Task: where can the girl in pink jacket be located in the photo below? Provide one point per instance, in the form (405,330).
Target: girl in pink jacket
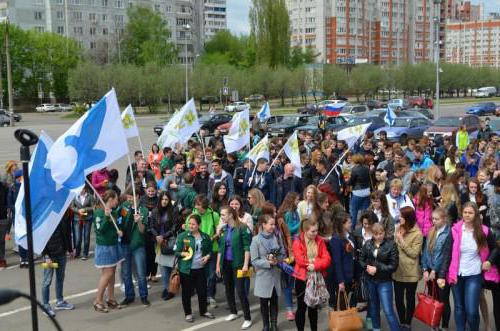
(424,205)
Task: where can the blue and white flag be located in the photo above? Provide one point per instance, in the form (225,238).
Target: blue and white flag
(265,112)
(389,117)
(49,201)
(95,141)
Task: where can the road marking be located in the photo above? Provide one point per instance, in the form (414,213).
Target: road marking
(216,321)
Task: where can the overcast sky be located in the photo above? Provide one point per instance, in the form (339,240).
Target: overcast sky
(237,13)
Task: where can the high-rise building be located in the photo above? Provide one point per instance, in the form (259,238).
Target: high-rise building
(364,31)
(99,25)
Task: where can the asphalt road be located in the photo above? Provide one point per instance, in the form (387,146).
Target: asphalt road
(82,276)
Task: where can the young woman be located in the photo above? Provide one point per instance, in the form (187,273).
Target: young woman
(380,180)
(245,218)
(409,240)
(470,160)
(83,211)
(306,206)
(323,216)
(473,193)
(107,252)
(221,196)
(451,202)
(311,255)
(165,224)
(150,202)
(397,199)
(424,204)
(193,248)
(288,210)
(256,200)
(360,183)
(452,158)
(379,259)
(266,251)
(469,260)
(234,257)
(154,159)
(433,176)
(380,208)
(342,248)
(438,242)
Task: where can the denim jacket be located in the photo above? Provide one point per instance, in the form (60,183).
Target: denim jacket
(434,260)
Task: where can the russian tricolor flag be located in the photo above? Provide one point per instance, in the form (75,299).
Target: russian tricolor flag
(333,109)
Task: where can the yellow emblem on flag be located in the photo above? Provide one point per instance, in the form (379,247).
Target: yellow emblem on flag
(243,128)
(128,121)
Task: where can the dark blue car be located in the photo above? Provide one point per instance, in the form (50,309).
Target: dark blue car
(482,108)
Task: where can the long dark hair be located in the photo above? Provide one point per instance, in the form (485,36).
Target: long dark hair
(241,211)
(288,204)
(169,209)
(384,207)
(479,193)
(408,213)
(338,223)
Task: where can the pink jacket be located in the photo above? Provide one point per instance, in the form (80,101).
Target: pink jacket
(456,232)
(424,217)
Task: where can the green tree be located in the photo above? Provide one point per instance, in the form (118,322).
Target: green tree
(335,80)
(147,38)
(270,32)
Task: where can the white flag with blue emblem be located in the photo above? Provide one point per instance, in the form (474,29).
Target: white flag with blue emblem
(389,117)
(291,150)
(181,126)
(95,141)
(265,112)
(129,123)
(238,135)
(49,201)
(260,151)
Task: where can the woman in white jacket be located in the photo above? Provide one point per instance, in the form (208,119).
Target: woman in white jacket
(397,199)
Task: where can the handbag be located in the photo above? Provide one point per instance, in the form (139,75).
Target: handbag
(361,290)
(344,320)
(429,310)
(316,293)
(167,246)
(174,282)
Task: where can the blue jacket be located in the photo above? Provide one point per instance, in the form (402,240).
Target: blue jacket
(424,164)
(473,167)
(434,260)
(342,260)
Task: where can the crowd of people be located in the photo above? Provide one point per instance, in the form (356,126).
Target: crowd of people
(371,222)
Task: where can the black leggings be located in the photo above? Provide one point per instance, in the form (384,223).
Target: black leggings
(231,282)
(443,295)
(300,315)
(269,309)
(406,309)
(195,280)
(151,265)
(495,293)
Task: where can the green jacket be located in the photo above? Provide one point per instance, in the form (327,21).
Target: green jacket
(105,232)
(185,196)
(130,229)
(209,223)
(166,163)
(240,243)
(186,239)
(462,140)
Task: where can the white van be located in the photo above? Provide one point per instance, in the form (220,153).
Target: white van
(485,92)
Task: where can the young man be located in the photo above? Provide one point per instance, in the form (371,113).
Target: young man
(200,183)
(187,194)
(219,175)
(55,252)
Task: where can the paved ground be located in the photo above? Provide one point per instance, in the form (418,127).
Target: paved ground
(81,276)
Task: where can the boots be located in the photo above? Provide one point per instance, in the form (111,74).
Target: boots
(264,312)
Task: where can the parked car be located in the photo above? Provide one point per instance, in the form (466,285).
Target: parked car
(373,104)
(47,107)
(288,124)
(209,99)
(4,120)
(332,124)
(237,106)
(405,128)
(482,108)
(424,111)
(255,98)
(447,126)
(355,109)
(381,112)
(497,111)
(64,107)
(375,122)
(207,121)
(486,92)
(310,108)
(398,103)
(17,116)
(323,104)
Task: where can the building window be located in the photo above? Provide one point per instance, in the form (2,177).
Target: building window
(105,31)
(118,3)
(78,30)
(59,2)
(92,17)
(39,29)
(92,31)
(104,17)
(77,15)
(104,3)
(59,15)
(157,7)
(93,45)
(60,29)
(38,15)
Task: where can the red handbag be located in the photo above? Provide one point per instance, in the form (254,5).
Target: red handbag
(429,310)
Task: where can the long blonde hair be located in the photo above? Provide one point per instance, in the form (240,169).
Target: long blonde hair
(433,232)
(431,174)
(449,194)
(259,198)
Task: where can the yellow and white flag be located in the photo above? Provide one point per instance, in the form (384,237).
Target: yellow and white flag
(238,135)
(129,123)
(260,151)
(181,126)
(291,150)
(352,134)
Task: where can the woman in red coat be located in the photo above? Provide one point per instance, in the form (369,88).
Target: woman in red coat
(311,254)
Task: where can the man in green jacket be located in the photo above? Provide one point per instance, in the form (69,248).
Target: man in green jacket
(187,194)
(209,224)
(133,224)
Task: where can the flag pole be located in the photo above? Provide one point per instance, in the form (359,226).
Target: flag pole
(140,141)
(132,181)
(279,153)
(103,204)
(335,165)
(202,145)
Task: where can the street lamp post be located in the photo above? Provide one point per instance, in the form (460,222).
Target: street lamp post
(187,28)
(9,71)
(437,4)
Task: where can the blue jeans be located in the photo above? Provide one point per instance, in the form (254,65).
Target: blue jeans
(82,230)
(47,279)
(381,292)
(137,257)
(165,276)
(358,204)
(287,291)
(466,293)
(210,274)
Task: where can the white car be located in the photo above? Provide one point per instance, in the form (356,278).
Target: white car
(47,107)
(486,92)
(236,107)
(65,107)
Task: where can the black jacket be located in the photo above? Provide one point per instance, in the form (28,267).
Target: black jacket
(165,224)
(360,177)
(60,241)
(284,186)
(386,262)
(4,193)
(200,184)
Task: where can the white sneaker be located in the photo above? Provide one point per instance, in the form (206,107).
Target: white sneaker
(231,317)
(246,325)
(212,303)
(122,288)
